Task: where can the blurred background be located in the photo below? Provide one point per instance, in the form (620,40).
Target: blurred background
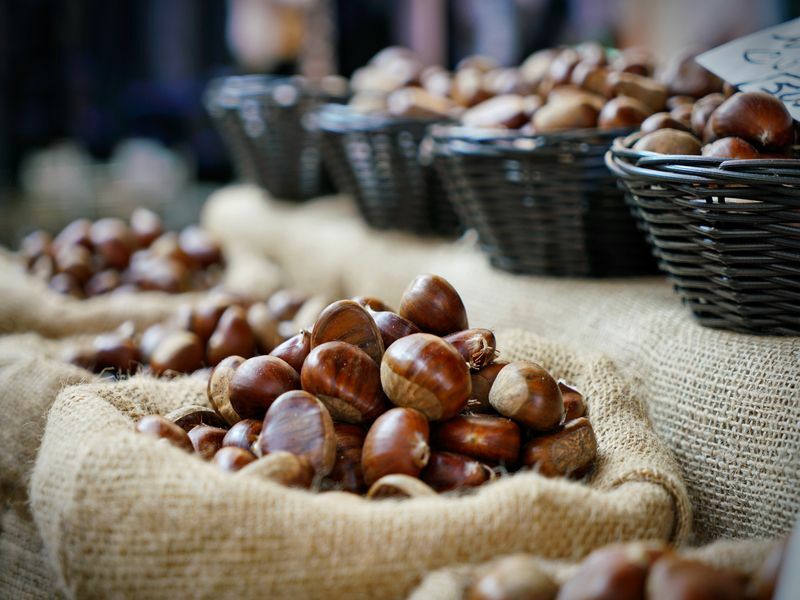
(101,107)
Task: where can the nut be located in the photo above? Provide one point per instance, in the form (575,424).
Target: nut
(113,241)
(299,423)
(244,389)
(177,352)
(622,111)
(662,120)
(372,303)
(206,440)
(644,89)
(294,350)
(158,427)
(66,284)
(199,247)
(682,579)
(264,326)
(146,226)
(702,109)
(347,321)
(102,282)
(417,103)
(514,577)
(669,141)
(569,113)
(74,234)
(765,580)
(478,347)
(346,380)
(188,417)
(483,437)
(284,304)
(76,261)
(508,111)
(233,458)
(447,471)
(282,467)
(568,452)
(398,485)
(117,352)
(527,393)
(574,405)
(482,382)
(433,305)
(231,337)
(347,473)
(243,434)
(393,327)
(425,372)
(397,442)
(731,147)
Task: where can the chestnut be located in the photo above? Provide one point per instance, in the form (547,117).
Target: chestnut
(348,321)
(757,117)
(591,77)
(299,423)
(159,274)
(433,305)
(188,417)
(661,120)
(678,578)
(683,114)
(534,68)
(346,380)
(617,571)
(264,327)
(703,109)
(76,261)
(74,234)
(117,352)
(478,347)
(151,338)
(102,282)
(244,389)
(282,467)
(284,304)
(731,147)
(568,452)
(574,405)
(36,244)
(202,319)
(669,141)
(417,103)
(398,485)
(231,337)
(206,440)
(294,350)
(486,438)
(177,352)
(393,327)
(622,111)
(507,111)
(569,113)
(232,458)
(347,473)
(651,93)
(467,87)
(447,471)
(425,372)
(514,577)
(66,284)
(372,303)
(113,242)
(198,246)
(527,393)
(573,93)
(397,442)
(146,226)
(243,434)
(158,427)
(482,382)
(42,267)
(167,247)
(764,581)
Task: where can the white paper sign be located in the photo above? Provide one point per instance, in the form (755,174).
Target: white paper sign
(766,61)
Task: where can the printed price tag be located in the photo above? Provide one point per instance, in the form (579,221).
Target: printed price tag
(766,61)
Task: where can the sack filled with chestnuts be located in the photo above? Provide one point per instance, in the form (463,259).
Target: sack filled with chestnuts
(256,480)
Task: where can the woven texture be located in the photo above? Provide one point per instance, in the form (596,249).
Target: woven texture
(726,232)
(544,205)
(727,405)
(99,488)
(27,304)
(450,583)
(377,160)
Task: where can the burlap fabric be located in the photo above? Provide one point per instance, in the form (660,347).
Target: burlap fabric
(727,405)
(27,304)
(450,583)
(121,515)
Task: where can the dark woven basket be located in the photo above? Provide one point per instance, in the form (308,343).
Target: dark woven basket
(542,205)
(727,232)
(377,159)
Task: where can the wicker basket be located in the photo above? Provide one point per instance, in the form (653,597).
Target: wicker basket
(542,205)
(377,160)
(727,232)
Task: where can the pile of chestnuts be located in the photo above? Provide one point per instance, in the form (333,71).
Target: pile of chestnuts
(199,336)
(387,403)
(739,125)
(633,571)
(111,256)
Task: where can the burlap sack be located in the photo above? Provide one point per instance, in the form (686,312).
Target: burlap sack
(450,583)
(727,405)
(27,304)
(121,515)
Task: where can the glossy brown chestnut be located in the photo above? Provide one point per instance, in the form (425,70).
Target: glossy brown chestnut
(189,417)
(648,91)
(113,242)
(424,372)
(757,117)
(615,572)
(393,327)
(203,318)
(233,458)
(74,234)
(569,113)
(372,303)
(146,226)
(478,347)
(158,427)
(66,284)
(347,473)
(397,486)
(232,337)
(151,338)
(299,423)
(346,380)
(467,87)
(514,577)
(527,393)
(34,245)
(702,110)
(294,350)
(103,282)
(675,578)
(347,321)
(117,352)
(206,440)
(433,305)
(507,111)
(243,434)
(621,112)
(198,246)
(76,261)
(264,326)
(281,467)
(574,404)
(731,147)
(417,103)
(683,114)
(482,382)
(179,352)
(483,437)
(397,442)
(447,471)
(244,389)
(669,141)
(568,452)
(662,120)
(284,304)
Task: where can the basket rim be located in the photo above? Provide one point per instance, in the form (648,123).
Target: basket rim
(257,86)
(342,118)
